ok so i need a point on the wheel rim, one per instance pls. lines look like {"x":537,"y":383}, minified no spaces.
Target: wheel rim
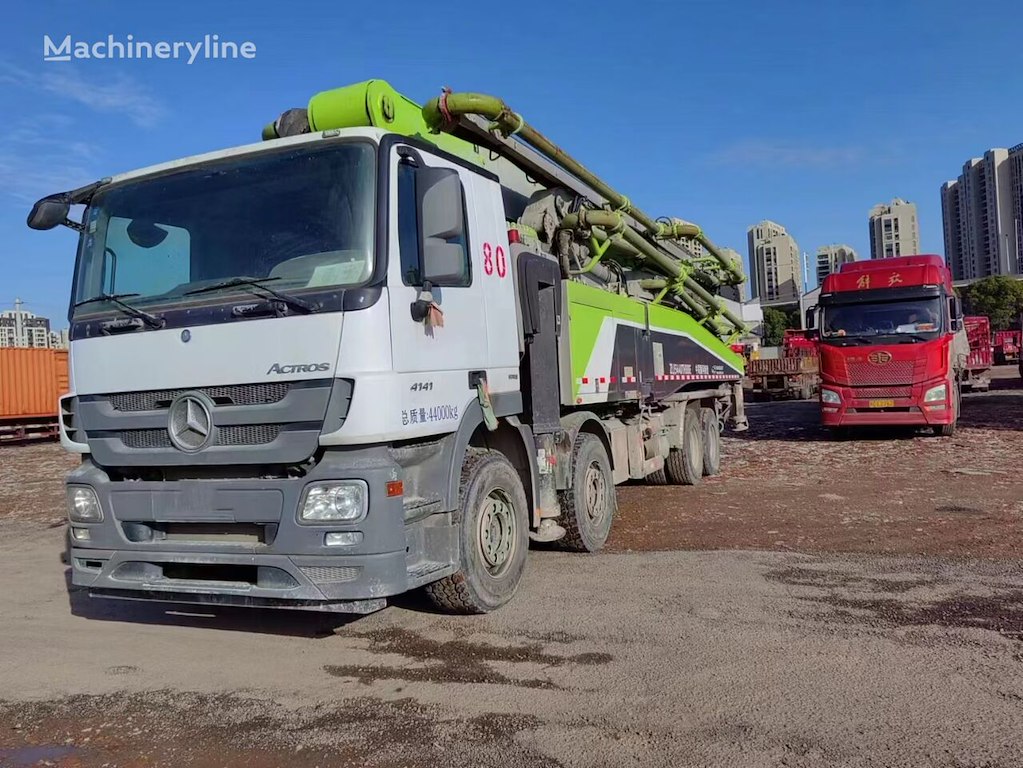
{"x":496,"y":532}
{"x":713,"y":439}
{"x":693,"y":443}
{"x":596,"y":493}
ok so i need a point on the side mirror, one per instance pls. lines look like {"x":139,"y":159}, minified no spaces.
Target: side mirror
{"x":441,"y":205}
{"x":955,"y":316}
{"x":49,"y":212}
{"x":811,"y":318}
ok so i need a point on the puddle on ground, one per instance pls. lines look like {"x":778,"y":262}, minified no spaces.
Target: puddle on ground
{"x":45,"y":754}
{"x":1001,"y":612}
{"x":456,"y":661}
{"x":810,"y":577}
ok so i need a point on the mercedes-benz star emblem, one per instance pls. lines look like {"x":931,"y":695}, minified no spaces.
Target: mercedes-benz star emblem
{"x":190,"y":423}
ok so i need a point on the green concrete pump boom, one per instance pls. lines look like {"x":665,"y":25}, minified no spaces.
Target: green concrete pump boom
{"x":442,"y":112}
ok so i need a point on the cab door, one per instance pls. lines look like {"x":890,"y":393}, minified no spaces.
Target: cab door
{"x":430,"y":251}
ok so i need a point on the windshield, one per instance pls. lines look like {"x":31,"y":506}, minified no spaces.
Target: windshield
{"x":884,"y":318}
{"x":302,"y":219}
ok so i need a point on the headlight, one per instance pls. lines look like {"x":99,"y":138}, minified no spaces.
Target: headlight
{"x":829,"y":396}
{"x":83,"y":505}
{"x":343,"y":501}
{"x":936,"y":394}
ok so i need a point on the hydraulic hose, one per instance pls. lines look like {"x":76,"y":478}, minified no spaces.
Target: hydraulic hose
{"x":612,"y":222}
{"x":442,"y":113}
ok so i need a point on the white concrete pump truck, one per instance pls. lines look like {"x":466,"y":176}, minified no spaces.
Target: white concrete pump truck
{"x":383,"y":349}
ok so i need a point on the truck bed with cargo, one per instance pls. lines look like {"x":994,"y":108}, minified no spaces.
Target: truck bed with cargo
{"x":976,"y":374}
{"x":383,"y":349}
{"x":794,"y":372}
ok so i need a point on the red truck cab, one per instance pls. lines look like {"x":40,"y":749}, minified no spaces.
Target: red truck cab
{"x":892,"y":345}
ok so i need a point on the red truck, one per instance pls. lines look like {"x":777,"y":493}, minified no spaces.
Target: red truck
{"x":893,"y":349}
{"x":1006,"y":344}
{"x":794,"y":374}
{"x":977,"y":371}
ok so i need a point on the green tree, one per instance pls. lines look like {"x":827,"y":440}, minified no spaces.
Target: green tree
{"x":775,"y":323}
{"x":1000,"y":298}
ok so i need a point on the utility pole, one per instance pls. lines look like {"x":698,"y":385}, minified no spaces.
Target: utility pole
{"x":19,"y":324}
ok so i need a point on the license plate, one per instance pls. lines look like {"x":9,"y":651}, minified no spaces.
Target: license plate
{"x":882,"y":403}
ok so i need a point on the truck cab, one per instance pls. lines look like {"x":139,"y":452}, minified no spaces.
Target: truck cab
{"x":892,"y":345}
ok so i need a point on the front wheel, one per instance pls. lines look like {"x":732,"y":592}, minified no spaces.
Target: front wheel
{"x":493,"y":537}
{"x":588,"y":507}
{"x":948,"y":430}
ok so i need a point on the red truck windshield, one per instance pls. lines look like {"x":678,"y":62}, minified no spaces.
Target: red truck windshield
{"x":916,"y":319}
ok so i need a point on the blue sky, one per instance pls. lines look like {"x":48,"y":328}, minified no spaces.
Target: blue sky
{"x":722,"y":113}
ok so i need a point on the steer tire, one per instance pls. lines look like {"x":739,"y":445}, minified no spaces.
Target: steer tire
{"x":493,"y":520}
{"x":589,"y":506}
{"x":711,"y":430}
{"x":948,"y":430}
{"x":685,"y":466}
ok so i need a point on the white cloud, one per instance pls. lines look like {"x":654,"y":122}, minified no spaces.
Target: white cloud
{"x":760,"y":153}
{"x":43,"y":153}
{"x":118,"y":94}
{"x":35,"y":161}
{"x":115,"y":93}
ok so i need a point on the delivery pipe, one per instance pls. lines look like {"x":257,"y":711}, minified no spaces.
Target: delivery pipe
{"x":612,"y":222}
{"x":442,"y":113}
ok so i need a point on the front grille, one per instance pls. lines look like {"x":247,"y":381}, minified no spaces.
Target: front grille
{"x":235,"y":394}
{"x":249,"y":534}
{"x":331,"y":574}
{"x":895,"y":372}
{"x":247,"y":434}
{"x":146,"y":439}
{"x":882,"y":392}
{"x":244,"y":434}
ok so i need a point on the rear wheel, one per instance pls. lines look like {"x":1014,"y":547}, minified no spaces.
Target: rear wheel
{"x":493,"y":536}
{"x":589,"y":505}
{"x":711,"y":429}
{"x":685,"y":466}
{"x":656,"y":478}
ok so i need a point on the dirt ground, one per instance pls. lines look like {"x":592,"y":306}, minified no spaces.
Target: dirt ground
{"x":788,"y":485}
{"x":820,"y":603}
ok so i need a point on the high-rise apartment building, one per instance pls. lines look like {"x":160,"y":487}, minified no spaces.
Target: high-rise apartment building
{"x":739,"y":292}
{"x":894,"y":230}
{"x":775,"y":266}
{"x":981,"y":214}
{"x":831,"y":257}
{"x":19,"y":328}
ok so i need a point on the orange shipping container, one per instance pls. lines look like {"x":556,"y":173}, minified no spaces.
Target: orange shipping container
{"x":31,"y":381}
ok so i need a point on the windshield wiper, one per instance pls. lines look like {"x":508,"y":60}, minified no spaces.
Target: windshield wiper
{"x":116,"y":299}
{"x":256,"y":284}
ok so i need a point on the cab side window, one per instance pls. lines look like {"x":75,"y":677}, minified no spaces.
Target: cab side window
{"x":408,"y":226}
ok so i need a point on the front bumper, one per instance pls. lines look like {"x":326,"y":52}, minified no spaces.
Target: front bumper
{"x":239,"y":542}
{"x":857,"y":410}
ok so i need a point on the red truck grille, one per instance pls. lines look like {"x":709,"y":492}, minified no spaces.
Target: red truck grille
{"x":886,"y":393}
{"x":894,"y":372}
